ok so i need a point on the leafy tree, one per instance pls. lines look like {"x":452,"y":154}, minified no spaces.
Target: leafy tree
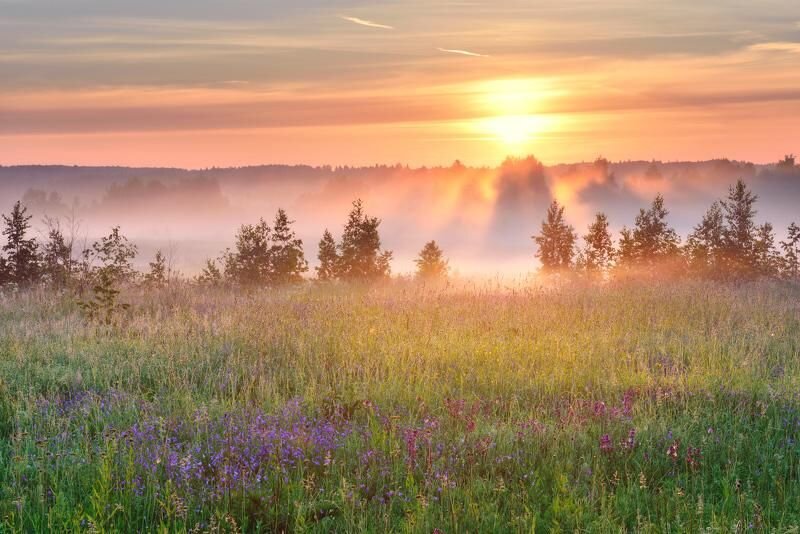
{"x":360,"y":255}
{"x":22,"y":263}
{"x":706,"y":244}
{"x":249,"y":263}
{"x":556,"y":241}
{"x":103,"y":306}
{"x":158,"y":275}
{"x":765,"y":256}
{"x":328,"y":258}
{"x":431,"y":263}
{"x":57,"y":262}
{"x":791,"y":252}
{"x":114,"y":254}
{"x":287,"y":261}
{"x":740,"y":229}
{"x":598,"y":251}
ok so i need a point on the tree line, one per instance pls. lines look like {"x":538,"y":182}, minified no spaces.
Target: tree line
{"x":727,"y":244}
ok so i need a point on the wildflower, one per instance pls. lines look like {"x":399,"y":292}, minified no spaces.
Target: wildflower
{"x":642,"y":480}
{"x":605,"y":443}
{"x":672,"y":452}
{"x":599,"y":409}
{"x":630,"y":442}
{"x":693,"y":457}
{"x":411,"y":436}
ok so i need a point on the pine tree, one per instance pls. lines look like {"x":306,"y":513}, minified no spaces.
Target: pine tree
{"x":158,"y":275}
{"x":360,"y":255}
{"x":598,"y":251}
{"x":57,"y":262}
{"x":287,"y":261}
{"x":249,"y":262}
{"x":556,"y":241}
{"x":328,"y":258}
{"x":740,"y":213}
{"x":791,"y":251}
{"x":765,"y":256}
{"x":22,"y":263}
{"x":706,"y":244}
{"x":431,"y":263}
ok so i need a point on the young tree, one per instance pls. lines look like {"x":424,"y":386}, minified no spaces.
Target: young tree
{"x":556,"y":241}
{"x":706,"y":244}
{"x":328,"y":258}
{"x":765,"y":256}
{"x":287,"y":261}
{"x":115,"y":255}
{"x":22,"y":263}
{"x":158,"y":275}
{"x":57,"y":262}
{"x":431,"y":263}
{"x":598,"y":251}
{"x":791,"y":253}
{"x":249,"y":263}
{"x":740,"y":228}
{"x":360,"y":255}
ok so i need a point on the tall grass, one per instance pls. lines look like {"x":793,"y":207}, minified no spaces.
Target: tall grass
{"x":663,"y":407}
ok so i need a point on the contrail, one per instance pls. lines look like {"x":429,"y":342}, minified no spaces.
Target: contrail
{"x":462,"y":52}
{"x":368,"y":23}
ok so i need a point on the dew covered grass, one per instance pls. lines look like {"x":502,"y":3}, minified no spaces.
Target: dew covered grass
{"x":652,"y":408}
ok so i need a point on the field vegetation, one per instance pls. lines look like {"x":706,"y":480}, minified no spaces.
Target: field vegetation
{"x":404,"y":407}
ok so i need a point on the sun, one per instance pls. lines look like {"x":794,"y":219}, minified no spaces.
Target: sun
{"x":515,"y":130}
{"x":515,"y":111}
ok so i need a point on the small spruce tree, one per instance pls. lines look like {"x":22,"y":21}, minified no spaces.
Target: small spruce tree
{"x":791,"y":253}
{"x":431,"y":263}
{"x":22,"y":262}
{"x":328,"y":258}
{"x":287,"y":261}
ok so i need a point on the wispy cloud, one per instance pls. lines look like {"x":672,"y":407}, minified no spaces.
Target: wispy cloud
{"x":368,"y":23}
{"x":461,"y":52}
{"x":777,"y":46}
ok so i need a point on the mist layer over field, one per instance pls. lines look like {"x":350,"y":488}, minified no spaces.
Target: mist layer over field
{"x":482,"y":217}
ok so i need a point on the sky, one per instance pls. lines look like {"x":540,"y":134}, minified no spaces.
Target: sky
{"x":201,"y":83}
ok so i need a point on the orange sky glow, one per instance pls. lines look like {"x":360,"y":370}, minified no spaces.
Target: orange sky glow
{"x":195,"y":85}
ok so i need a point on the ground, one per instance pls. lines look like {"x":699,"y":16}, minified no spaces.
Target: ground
{"x":643,"y":407}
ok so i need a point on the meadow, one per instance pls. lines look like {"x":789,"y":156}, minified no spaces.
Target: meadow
{"x":640,"y":407}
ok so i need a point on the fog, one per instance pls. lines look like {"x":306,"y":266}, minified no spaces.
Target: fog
{"x":482,"y":217}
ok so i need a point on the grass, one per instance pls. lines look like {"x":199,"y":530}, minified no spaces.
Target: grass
{"x":649,"y":408}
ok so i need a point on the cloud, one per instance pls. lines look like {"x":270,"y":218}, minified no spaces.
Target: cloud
{"x":461,"y":52}
{"x":368,"y":23}
{"x":777,"y":46}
